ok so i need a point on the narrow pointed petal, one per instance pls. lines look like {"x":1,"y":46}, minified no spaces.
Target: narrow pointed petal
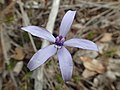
{"x":41,"y":56}
{"x":39,"y":32}
{"x":81,"y":43}
{"x":65,"y":62}
{"x":66,"y":22}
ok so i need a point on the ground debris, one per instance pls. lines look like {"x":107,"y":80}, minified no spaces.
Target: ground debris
{"x":96,"y":20}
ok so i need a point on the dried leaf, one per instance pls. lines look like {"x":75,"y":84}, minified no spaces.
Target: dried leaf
{"x":106,"y":38}
{"x":93,"y":65}
{"x":88,"y":73}
{"x":19,"y":54}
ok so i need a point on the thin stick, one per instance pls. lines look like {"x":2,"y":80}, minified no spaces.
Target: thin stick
{"x":26,"y":23}
{"x":6,"y":56}
{"x":38,"y":73}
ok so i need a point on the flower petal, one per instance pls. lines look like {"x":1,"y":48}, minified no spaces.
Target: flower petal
{"x":81,"y":43}
{"x":39,"y":32}
{"x":66,"y":22}
{"x":66,"y":64}
{"x":41,"y":56}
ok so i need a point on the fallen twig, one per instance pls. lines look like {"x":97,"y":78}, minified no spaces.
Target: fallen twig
{"x":26,"y":23}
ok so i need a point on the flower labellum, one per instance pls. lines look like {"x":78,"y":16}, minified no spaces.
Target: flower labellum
{"x":64,"y":57}
{"x":59,"y":41}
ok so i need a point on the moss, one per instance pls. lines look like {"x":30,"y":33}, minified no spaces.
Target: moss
{"x":59,"y":78}
{"x":9,"y":18}
{"x":91,"y":35}
{"x":27,"y":76}
{"x":11,"y":64}
{"x":76,"y":78}
{"x":9,"y":67}
{"x":110,"y":53}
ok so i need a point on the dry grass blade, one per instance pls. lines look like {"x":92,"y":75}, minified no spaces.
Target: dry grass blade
{"x":26,"y":23}
{"x":6,"y":56}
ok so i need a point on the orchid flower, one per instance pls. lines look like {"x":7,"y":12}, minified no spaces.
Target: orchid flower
{"x":64,"y":57}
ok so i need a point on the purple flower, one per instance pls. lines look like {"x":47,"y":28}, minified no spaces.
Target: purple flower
{"x":65,"y":59}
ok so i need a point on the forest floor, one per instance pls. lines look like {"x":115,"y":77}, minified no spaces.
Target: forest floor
{"x":95,"y":20}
